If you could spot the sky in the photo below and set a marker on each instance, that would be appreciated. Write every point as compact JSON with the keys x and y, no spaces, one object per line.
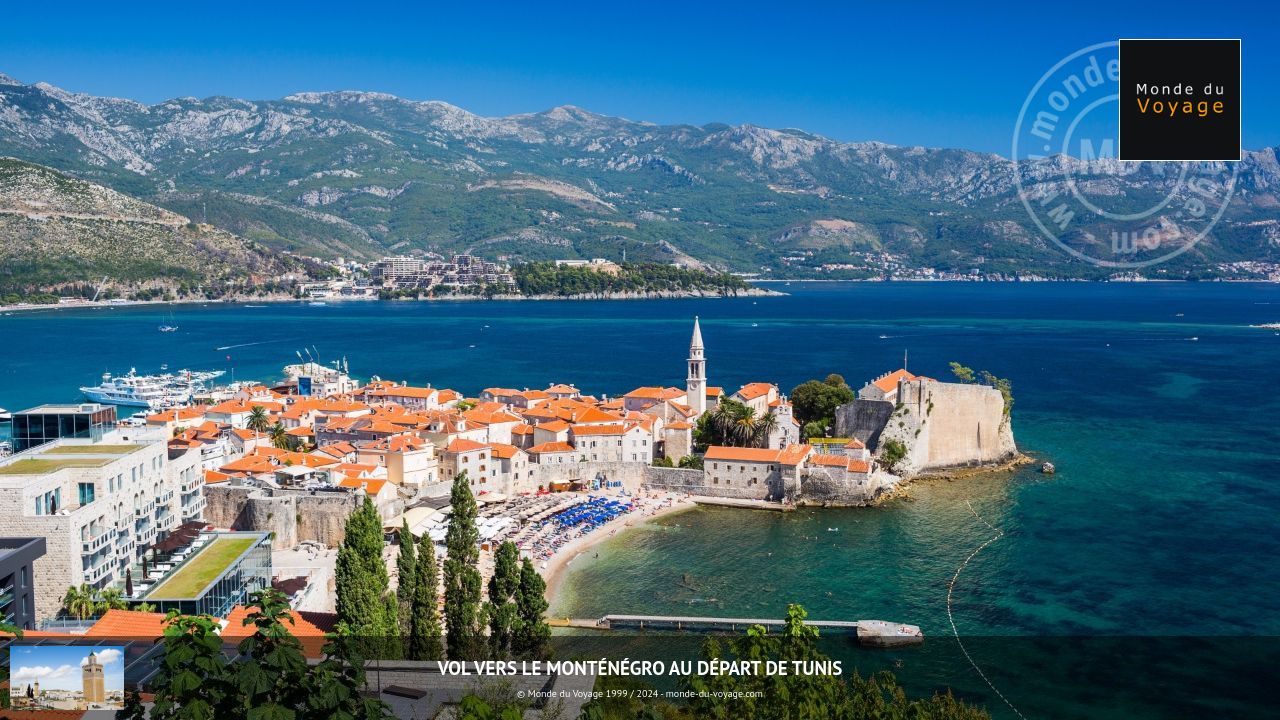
{"x":907,"y":73}
{"x":58,"y":666}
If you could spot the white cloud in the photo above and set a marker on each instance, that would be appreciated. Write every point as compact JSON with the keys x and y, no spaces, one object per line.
{"x":42,"y":673}
{"x":105,"y":657}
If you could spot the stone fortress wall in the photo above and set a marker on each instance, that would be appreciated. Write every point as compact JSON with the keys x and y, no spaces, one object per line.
{"x":942,"y":425}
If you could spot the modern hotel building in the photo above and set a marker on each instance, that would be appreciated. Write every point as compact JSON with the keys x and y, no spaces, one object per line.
{"x":99,"y":503}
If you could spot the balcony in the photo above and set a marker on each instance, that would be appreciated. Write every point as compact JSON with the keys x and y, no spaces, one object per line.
{"x":99,"y":571}
{"x":96,"y":542}
{"x":193,"y":484}
{"x":193,"y":508}
{"x":6,"y":596}
{"x":165,"y":497}
{"x":146,"y":535}
{"x":145,"y":509}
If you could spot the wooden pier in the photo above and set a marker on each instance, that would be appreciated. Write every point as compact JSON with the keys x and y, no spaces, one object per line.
{"x":878,"y":633}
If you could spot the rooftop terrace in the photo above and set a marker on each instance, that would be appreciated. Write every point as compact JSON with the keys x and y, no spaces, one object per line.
{"x":188,"y":581}
{"x":63,"y":454}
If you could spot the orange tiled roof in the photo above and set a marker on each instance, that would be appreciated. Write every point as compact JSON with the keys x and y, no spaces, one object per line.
{"x":655,"y":393}
{"x":794,"y":454}
{"x":679,"y":425}
{"x":213,"y":476}
{"x":751,"y":391}
{"x":550,"y":447}
{"x":461,"y":445}
{"x":830,"y":460}
{"x":737,"y":454}
{"x":301,"y":431}
{"x":504,"y":451}
{"x":371,"y":486}
{"x":713,"y":391}
{"x":128,"y":624}
{"x":855,"y":444}
{"x":310,"y":635}
{"x":859,"y":466}
{"x":889,"y":382}
{"x":613,"y":429}
{"x":596,"y":415}
{"x":562,"y":388}
{"x":186,"y":413}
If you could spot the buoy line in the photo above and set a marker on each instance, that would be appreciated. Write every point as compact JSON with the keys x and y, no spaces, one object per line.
{"x":951,"y":589}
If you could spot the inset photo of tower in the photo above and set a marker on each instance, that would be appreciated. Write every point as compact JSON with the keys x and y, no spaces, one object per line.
{"x":66,"y":677}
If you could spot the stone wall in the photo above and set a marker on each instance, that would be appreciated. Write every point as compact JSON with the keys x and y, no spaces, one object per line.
{"x":864,"y":420}
{"x":295,"y":516}
{"x":696,"y":482}
{"x":942,"y":425}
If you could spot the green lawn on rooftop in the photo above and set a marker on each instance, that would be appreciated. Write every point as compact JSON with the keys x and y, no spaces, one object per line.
{"x":200,"y":570}
{"x":42,"y":465}
{"x":93,"y":449}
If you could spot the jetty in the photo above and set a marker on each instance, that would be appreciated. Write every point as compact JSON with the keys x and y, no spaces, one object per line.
{"x":876,"y":633}
{"x":741,"y":503}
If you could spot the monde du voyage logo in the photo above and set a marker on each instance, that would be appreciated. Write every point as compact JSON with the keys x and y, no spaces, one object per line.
{"x":1174,"y":135}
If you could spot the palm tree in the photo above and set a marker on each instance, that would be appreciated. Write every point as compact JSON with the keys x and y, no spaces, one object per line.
{"x":258,"y":420}
{"x":79,"y":601}
{"x":280,"y":437}
{"x":764,"y":427}
{"x":111,"y":599}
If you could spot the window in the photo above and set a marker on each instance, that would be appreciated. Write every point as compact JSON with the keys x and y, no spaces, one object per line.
{"x":86,"y":492}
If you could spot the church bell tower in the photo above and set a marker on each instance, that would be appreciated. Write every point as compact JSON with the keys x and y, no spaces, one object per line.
{"x":696,"y":386}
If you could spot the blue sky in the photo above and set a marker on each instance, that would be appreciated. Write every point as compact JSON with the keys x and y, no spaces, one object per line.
{"x":58,"y":666}
{"x":910,"y":73}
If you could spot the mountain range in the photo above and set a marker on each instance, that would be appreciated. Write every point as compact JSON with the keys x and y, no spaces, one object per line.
{"x":361,"y":174}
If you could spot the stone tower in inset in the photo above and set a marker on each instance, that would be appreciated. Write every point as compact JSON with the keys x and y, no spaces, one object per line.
{"x":94,"y":680}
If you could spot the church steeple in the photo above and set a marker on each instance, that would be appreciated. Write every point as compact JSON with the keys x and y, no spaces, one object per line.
{"x":696,"y":386}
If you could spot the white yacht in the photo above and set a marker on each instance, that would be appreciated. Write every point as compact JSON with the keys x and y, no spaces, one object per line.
{"x":149,"y":391}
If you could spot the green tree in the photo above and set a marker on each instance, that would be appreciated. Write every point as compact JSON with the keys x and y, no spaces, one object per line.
{"x":193,"y":681}
{"x":663,"y":461}
{"x":270,"y":681}
{"x":462,"y":610}
{"x":258,"y":420}
{"x":814,"y":429}
{"x":111,"y":599}
{"x":503,"y":612}
{"x":805,"y":696}
{"x":532,"y":640}
{"x":407,"y":572}
{"x":424,"y":622}
{"x":734,"y":424}
{"x":962,"y":373}
{"x":79,"y":601}
{"x":693,"y":462}
{"x":892,"y":452}
{"x":361,"y":580}
{"x":816,"y":401}
{"x":280,"y":438}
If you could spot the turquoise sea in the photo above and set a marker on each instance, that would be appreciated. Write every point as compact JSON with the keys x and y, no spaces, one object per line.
{"x":1139,"y":580}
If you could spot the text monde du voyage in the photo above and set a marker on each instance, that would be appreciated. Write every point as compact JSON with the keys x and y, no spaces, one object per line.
{"x":1180,"y":99}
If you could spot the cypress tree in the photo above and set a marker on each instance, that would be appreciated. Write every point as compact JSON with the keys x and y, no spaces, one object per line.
{"x":424,"y":618}
{"x":361,"y":580}
{"x":532,"y":640}
{"x":407,"y":569}
{"x":463,"y":637}
{"x":503,"y":611}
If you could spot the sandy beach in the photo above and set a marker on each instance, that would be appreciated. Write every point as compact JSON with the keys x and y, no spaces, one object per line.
{"x":656,"y":505}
